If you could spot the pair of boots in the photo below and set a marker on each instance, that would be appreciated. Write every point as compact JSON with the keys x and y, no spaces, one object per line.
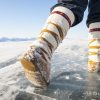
{"x":37,"y":59}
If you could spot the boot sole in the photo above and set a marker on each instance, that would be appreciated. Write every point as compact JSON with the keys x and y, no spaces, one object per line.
{"x":33,"y":74}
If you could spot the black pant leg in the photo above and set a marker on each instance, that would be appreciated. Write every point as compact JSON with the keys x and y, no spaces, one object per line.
{"x":94,"y":12}
{"x":76,"y":6}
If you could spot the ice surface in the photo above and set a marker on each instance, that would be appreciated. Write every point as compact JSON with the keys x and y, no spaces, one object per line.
{"x":69,"y":77}
{"x":9,"y":52}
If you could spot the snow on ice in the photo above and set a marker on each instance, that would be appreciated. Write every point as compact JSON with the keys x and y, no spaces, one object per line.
{"x":69,"y":76}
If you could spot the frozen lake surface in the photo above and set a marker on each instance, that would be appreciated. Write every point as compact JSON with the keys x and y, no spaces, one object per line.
{"x":69,"y":77}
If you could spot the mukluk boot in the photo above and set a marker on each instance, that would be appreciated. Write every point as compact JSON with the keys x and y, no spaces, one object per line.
{"x":94,"y":47}
{"x":37,"y":59}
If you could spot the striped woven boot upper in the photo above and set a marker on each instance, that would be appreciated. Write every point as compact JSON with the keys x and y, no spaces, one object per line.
{"x":94,"y":47}
{"x":37,"y":60}
{"x":56,"y":27}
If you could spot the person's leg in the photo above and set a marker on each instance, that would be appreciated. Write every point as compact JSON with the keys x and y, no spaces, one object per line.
{"x":93,"y":22}
{"x":36,"y":61}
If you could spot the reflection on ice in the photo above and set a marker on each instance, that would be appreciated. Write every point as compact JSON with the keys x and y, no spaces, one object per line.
{"x":67,"y":77}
